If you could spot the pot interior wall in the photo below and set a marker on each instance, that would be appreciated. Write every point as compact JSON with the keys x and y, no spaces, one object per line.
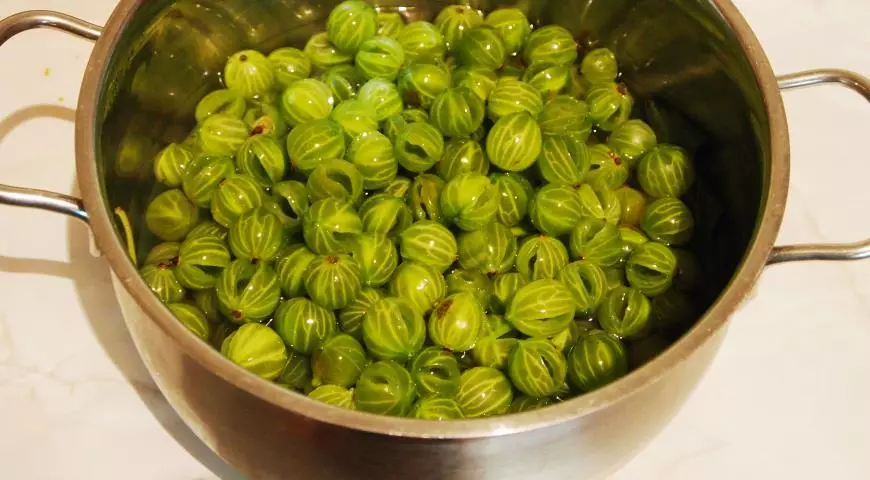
{"x":692,"y":81}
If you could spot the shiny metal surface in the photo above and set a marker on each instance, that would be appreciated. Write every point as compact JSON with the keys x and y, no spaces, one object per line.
{"x":701,"y":79}
{"x":829,"y":252}
{"x":27,"y":197}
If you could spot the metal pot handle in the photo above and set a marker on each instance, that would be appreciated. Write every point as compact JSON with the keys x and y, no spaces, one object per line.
{"x":9,"y":27}
{"x":835,"y":251}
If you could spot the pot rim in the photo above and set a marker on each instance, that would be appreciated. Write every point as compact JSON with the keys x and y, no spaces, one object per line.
{"x":711,"y":322}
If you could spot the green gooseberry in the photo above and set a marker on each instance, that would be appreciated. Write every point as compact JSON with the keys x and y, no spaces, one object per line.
{"x":436,"y":372}
{"x":165,"y":253}
{"x":420,"y":83}
{"x":489,"y":250}
{"x":291,"y":267}
{"x":610,"y":105}
{"x":385,"y":388}
{"x":383,"y":96}
{"x":262,"y":157}
{"x":296,"y":374}
{"x":470,"y":200}
{"x":289,"y":203}
{"x":162,"y":281}
{"x":599,"y":66}
{"x":380,"y":57}
{"x":171,"y":215}
{"x":200,"y":261}
{"x":307,"y":100}
{"x":597,"y":242}
{"x":171,"y":164}
{"x":525,"y":403}
{"x":424,"y":197}
{"x":192,"y":318}
{"x":420,"y":285}
{"x":399,"y":187}
{"x":385,"y":215}
{"x":394,"y":125}
{"x":437,"y":408}
{"x":632,"y":140}
{"x":462,"y":156}
{"x":495,"y":343}
{"x":597,"y":202}
{"x":221,"y":332}
{"x":333,"y":281}
{"x":457,"y":112}
{"x":248,"y":293}
{"x":513,"y":96}
{"x":340,"y":361}
{"x":537,"y":368}
{"x":377,"y":258}
{"x":666,"y":171}
{"x":419,"y":146}
{"x":672,"y":309}
{"x":512,"y":25}
{"x":350,"y":318}
{"x":579,"y":84}
{"x":565,"y":340}
{"x":335,"y":179}
{"x":330,"y":226}
{"x":456,"y":322}
{"x":542,"y":308}
{"x":355,"y":117}
{"x":688,"y":276}
{"x":265,"y":119}
{"x":633,"y":204}
{"x":421,"y":41}
{"x":504,"y":287}
{"x":550,"y":45}
{"x":208,"y":229}
{"x":333,"y":395}
{"x":563,"y":114}
{"x":257,"y":349}
{"x":207,"y":302}
{"x":597,"y":359}
{"x":473,"y":282}
{"x":429,"y":243}
{"x":484,"y":392}
{"x":249,"y":73}
{"x":234,"y":197}
{"x":223,"y":101}
{"x":514,"y":194}
{"x":549,"y":80}
{"x":606,"y":167}
{"x":394,"y":329}
{"x":390,"y":24}
{"x":454,"y":21}
{"x":290,"y":65}
{"x":373,"y":155}
{"x":222,"y":135}
{"x":556,"y":209}
{"x":625,"y":312}
{"x":351,"y":23}
{"x":514,"y":142}
{"x":482,"y":47}
{"x":587,"y":283}
{"x":651,"y":268}
{"x":541,"y":257}
{"x":257,"y":235}
{"x":669,"y":221}
{"x":311,"y":143}
{"x":631,"y":239}
{"x":204,"y":175}
{"x":563,"y":161}
{"x":323,"y":54}
{"x":304,"y":325}
{"x":344,"y":81}
{"x":615,"y":277}
{"x":481,"y":81}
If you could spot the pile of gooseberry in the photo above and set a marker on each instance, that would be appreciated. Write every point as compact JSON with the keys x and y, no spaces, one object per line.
{"x":443,"y":220}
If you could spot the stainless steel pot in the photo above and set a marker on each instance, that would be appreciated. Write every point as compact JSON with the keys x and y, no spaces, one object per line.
{"x":697,"y":68}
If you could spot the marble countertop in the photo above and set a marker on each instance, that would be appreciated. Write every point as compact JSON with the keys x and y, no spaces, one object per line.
{"x":787,"y":397}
